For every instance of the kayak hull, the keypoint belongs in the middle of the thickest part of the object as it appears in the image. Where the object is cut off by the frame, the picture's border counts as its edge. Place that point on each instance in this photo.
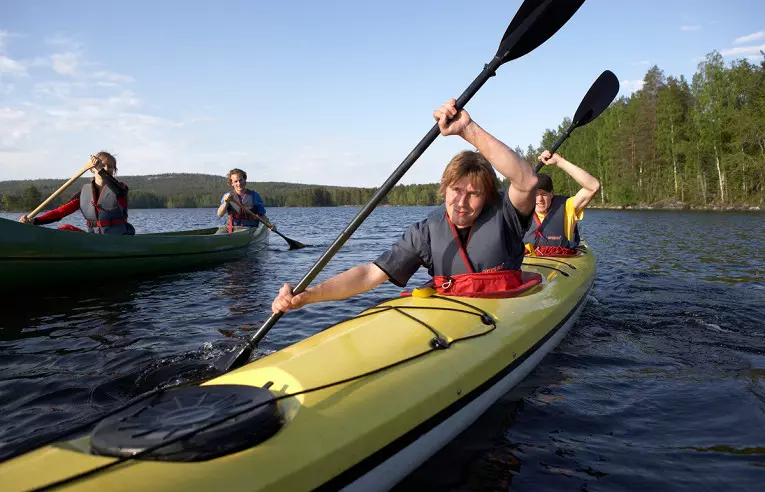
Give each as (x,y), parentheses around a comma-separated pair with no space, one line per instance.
(389,472)
(363,402)
(29,254)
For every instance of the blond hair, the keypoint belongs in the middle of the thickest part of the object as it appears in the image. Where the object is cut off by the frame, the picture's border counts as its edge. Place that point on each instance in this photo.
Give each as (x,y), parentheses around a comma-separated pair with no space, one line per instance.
(477,168)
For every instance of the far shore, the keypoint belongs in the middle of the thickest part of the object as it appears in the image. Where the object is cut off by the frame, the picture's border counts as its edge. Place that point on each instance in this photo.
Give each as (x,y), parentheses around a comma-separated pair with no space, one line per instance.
(680,208)
(664,207)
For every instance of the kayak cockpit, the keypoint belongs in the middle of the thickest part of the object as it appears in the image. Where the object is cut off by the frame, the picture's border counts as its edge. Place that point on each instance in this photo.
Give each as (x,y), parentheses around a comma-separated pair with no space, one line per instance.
(194,423)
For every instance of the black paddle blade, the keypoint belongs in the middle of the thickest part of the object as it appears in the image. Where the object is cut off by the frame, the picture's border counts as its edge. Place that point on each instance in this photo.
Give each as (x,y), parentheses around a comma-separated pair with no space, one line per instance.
(546,16)
(231,360)
(597,99)
(293,244)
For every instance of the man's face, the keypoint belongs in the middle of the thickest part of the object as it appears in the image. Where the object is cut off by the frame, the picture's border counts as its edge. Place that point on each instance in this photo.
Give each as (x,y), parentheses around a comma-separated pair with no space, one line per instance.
(544,200)
(464,202)
(239,183)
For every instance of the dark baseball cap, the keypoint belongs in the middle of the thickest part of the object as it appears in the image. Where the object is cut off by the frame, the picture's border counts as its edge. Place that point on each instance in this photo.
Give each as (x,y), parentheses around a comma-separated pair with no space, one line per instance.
(544,183)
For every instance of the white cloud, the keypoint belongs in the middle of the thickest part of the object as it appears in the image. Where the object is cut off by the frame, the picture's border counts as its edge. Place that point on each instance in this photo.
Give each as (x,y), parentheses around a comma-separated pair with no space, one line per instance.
(54,121)
(642,62)
(16,125)
(690,28)
(64,41)
(12,67)
(749,38)
(743,50)
(113,77)
(629,86)
(65,63)
(3,36)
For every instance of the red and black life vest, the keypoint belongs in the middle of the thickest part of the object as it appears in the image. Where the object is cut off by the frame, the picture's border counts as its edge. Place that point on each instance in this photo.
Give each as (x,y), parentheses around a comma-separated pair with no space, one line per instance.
(485,267)
(104,214)
(548,236)
(242,218)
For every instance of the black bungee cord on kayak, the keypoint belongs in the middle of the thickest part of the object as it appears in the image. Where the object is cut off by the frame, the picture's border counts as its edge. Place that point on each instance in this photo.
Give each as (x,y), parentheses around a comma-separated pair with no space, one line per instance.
(565,274)
(439,341)
(547,258)
(485,317)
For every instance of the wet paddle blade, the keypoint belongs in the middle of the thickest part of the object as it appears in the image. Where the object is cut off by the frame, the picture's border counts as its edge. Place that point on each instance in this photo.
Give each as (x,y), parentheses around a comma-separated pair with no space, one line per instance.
(547,17)
(236,358)
(293,244)
(597,99)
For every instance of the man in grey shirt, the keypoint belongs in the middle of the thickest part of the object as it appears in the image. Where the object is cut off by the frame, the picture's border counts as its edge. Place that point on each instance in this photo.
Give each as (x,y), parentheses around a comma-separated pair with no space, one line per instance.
(476,230)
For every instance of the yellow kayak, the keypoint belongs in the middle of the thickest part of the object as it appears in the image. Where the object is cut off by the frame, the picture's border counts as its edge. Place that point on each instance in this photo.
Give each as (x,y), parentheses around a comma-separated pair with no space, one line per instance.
(355,407)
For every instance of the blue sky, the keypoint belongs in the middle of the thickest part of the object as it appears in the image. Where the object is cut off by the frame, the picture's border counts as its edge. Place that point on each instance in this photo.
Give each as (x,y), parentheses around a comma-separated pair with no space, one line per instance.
(333,92)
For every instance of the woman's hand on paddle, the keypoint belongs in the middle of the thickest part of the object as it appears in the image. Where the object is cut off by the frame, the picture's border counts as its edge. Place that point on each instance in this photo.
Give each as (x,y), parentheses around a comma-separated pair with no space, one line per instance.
(550,159)
(227,197)
(450,121)
(285,301)
(26,220)
(95,164)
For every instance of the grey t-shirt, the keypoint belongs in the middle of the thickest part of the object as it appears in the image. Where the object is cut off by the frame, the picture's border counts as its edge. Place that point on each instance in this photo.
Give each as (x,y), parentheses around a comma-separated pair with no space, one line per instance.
(413,249)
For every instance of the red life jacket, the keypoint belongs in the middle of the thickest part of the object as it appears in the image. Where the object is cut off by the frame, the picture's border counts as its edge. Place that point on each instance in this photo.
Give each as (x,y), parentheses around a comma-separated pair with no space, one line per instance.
(492,283)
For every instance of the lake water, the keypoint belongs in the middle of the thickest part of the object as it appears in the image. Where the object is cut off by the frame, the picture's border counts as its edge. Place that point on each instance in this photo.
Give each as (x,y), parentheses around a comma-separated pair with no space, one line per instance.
(660,385)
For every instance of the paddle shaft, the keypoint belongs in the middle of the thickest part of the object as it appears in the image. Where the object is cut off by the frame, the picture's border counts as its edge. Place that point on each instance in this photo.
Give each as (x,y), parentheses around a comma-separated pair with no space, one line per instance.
(59,191)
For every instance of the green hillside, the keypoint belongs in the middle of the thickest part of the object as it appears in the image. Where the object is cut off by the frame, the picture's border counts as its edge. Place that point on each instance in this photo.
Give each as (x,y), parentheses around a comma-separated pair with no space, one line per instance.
(204,190)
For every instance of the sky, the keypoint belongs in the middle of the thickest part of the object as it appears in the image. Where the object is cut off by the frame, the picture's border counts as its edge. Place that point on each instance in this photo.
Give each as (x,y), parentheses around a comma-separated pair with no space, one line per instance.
(333,92)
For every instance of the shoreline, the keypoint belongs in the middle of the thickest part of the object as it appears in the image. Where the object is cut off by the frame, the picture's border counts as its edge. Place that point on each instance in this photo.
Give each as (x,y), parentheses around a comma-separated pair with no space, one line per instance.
(639,207)
(680,208)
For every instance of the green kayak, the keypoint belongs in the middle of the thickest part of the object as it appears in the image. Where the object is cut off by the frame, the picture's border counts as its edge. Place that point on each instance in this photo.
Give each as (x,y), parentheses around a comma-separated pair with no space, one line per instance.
(35,256)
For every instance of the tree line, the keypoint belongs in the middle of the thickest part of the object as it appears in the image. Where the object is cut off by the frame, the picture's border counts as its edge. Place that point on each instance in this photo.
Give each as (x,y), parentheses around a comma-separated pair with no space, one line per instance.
(693,143)
(674,142)
(162,192)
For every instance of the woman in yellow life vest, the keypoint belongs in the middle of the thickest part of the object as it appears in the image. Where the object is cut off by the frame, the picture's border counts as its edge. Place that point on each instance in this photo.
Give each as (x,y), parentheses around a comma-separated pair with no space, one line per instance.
(553,230)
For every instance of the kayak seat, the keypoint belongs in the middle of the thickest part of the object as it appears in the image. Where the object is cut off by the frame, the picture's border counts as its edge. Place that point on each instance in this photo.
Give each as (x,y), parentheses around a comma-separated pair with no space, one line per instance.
(528,281)
(165,417)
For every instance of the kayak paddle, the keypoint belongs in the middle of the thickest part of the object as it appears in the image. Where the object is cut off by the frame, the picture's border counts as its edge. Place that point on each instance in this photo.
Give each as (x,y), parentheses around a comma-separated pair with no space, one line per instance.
(598,98)
(293,244)
(535,22)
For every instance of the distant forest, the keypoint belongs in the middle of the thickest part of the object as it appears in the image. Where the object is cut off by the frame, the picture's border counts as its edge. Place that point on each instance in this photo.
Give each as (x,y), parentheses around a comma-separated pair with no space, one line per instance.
(204,190)
(697,143)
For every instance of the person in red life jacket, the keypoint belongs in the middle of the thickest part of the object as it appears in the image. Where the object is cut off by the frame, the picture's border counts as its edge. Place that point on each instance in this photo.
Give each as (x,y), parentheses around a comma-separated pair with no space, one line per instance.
(554,230)
(103,201)
(471,245)
(251,200)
